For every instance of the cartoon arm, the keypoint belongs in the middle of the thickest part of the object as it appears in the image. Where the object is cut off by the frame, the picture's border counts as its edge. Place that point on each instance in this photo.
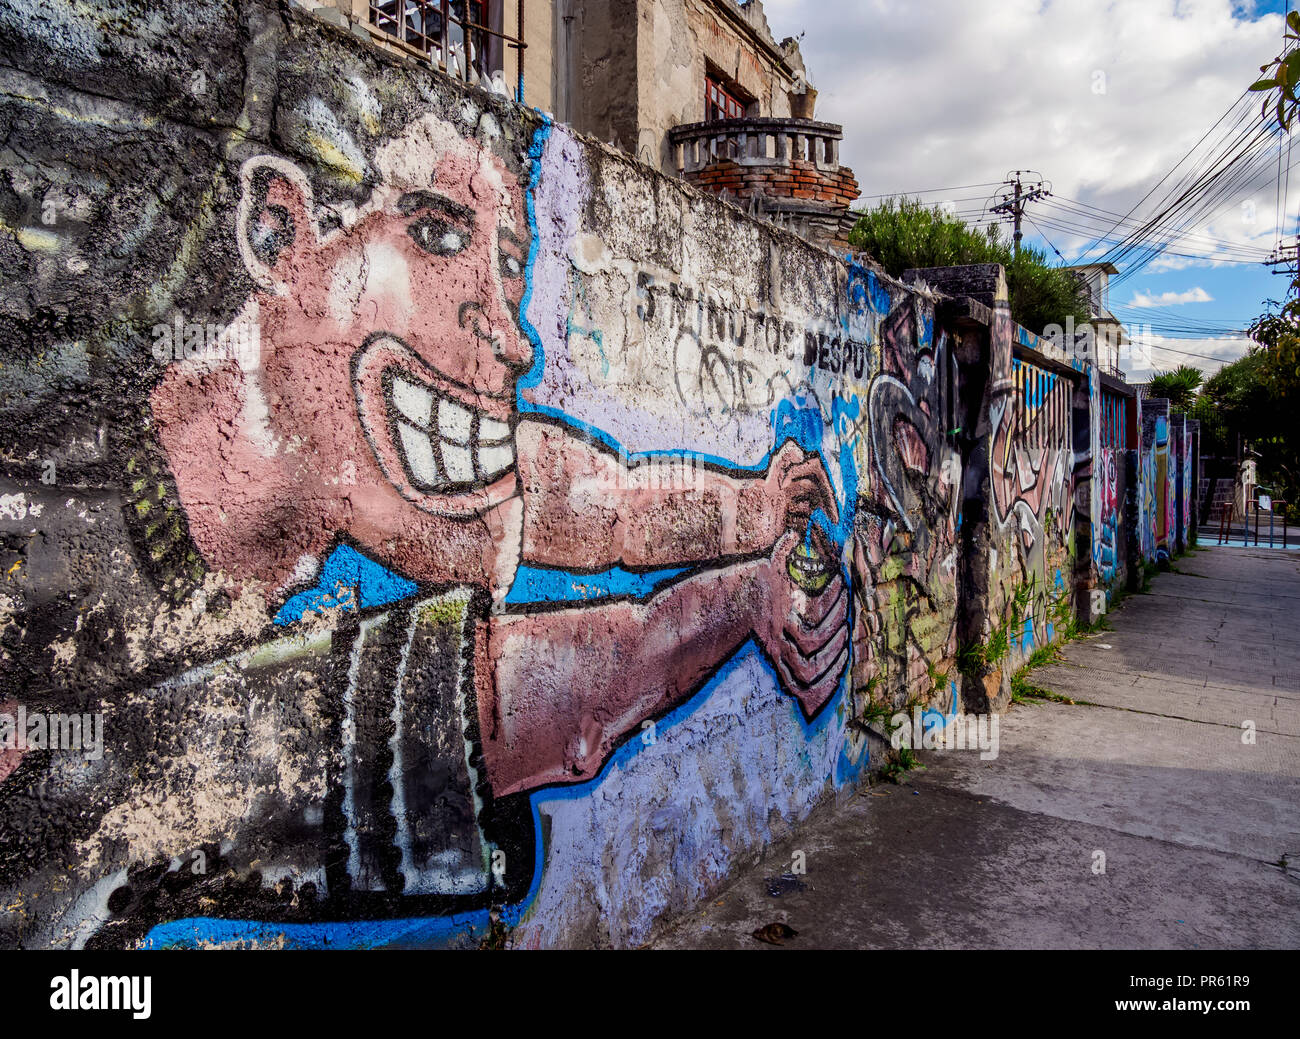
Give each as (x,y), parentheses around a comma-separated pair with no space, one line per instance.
(585,510)
(558,690)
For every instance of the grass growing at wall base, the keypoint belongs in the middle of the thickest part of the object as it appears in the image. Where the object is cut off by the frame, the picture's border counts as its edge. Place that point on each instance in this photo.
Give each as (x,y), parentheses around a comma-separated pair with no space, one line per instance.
(974,657)
(900,763)
(1023,691)
(877,718)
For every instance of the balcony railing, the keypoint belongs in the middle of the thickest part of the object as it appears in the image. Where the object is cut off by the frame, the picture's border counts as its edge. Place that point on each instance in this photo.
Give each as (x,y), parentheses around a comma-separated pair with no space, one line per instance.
(757,142)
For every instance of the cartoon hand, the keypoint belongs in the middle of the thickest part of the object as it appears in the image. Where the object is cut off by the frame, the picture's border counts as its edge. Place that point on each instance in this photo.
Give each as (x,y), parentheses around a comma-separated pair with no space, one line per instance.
(807,627)
(796,485)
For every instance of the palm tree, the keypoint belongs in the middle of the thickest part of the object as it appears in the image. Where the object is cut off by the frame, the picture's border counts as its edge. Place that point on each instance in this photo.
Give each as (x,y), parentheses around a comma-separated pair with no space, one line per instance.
(1178,386)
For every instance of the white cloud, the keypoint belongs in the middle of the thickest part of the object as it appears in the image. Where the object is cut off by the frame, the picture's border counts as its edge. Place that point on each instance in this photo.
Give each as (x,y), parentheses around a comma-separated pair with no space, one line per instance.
(1148,354)
(1170,299)
(1101,98)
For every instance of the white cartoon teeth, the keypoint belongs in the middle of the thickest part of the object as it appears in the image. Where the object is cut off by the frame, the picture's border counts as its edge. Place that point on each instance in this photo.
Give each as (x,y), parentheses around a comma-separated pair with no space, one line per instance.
(415,402)
(458,462)
(418,449)
(465,447)
(492,431)
(455,423)
(496,459)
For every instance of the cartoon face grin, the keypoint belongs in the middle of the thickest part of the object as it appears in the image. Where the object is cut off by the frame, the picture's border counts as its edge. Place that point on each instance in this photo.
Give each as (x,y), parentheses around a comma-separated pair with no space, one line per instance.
(446,449)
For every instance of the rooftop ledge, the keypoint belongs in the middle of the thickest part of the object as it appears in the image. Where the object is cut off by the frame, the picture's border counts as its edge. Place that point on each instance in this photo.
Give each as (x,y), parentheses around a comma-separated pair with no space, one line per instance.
(757,142)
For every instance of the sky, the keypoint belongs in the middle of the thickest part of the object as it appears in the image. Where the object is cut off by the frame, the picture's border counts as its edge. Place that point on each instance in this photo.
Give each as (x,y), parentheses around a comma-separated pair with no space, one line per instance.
(1101,99)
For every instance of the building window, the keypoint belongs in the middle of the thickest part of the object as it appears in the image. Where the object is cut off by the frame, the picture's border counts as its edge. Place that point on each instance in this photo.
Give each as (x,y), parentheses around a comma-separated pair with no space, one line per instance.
(454,32)
(719,103)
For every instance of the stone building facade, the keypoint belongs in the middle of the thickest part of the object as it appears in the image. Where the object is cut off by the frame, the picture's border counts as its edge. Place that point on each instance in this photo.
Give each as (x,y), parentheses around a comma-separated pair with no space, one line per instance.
(699,89)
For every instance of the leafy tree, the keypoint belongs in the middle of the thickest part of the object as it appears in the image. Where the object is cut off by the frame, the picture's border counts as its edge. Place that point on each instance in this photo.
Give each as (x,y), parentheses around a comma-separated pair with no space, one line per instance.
(1281,77)
(903,234)
(1255,402)
(1274,423)
(1234,401)
(1262,391)
(1279,334)
(1178,386)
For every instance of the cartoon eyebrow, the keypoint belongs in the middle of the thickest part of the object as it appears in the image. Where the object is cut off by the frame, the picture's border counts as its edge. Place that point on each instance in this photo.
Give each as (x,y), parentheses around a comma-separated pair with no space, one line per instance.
(509,236)
(414,201)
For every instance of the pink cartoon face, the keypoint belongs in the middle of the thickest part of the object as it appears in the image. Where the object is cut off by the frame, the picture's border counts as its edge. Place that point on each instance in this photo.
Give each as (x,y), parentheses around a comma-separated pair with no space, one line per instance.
(410,311)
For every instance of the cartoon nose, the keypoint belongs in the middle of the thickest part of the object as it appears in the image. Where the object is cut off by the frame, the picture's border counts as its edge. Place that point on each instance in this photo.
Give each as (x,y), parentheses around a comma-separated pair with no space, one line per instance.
(498,327)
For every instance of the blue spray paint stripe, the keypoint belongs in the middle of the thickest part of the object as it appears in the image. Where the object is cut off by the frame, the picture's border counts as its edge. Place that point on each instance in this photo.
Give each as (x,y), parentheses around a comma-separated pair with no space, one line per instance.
(349,581)
(544,584)
(200,931)
(535,151)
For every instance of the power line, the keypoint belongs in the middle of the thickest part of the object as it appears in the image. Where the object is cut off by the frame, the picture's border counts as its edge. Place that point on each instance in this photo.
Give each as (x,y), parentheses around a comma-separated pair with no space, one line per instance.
(933,191)
(1200,141)
(1013,205)
(1047,240)
(1077,210)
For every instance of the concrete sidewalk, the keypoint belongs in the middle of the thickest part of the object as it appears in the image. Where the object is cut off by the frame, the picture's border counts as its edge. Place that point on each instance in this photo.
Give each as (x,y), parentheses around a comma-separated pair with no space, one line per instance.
(1000,854)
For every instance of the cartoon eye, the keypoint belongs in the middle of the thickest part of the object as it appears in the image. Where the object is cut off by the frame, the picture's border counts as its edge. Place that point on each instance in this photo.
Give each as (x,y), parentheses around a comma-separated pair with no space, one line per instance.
(510,266)
(437,236)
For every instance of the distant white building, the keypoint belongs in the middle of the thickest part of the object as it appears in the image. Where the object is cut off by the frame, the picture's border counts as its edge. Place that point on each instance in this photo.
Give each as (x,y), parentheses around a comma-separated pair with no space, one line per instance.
(1111,337)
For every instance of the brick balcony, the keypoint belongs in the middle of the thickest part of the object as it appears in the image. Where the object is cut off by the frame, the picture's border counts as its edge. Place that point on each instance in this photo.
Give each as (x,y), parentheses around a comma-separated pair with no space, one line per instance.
(787,168)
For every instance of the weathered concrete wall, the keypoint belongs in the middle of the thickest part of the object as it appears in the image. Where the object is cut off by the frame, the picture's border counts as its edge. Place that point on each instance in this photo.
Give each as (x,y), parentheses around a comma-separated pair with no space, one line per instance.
(442,512)
(598,69)
(430,516)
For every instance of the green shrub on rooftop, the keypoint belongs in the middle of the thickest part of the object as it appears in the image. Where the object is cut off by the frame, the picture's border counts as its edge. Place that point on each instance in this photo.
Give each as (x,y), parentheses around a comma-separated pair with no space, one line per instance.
(902,234)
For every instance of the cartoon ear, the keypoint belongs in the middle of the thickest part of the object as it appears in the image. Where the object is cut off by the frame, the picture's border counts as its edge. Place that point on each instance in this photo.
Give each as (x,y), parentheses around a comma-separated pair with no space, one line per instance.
(275,220)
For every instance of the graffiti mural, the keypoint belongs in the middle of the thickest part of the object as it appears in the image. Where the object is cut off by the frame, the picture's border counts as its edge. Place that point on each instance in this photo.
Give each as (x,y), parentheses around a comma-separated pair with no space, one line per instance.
(1167,457)
(1113,506)
(385,414)
(1108,540)
(1032,472)
(908,522)
(493,514)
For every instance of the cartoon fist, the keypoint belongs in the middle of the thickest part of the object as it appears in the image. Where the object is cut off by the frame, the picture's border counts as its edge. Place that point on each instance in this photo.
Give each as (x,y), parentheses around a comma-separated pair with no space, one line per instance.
(795,486)
(806,628)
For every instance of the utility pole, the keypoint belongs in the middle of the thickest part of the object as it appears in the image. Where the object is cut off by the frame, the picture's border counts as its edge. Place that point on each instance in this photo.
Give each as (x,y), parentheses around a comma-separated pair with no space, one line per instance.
(1013,204)
(1285,259)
